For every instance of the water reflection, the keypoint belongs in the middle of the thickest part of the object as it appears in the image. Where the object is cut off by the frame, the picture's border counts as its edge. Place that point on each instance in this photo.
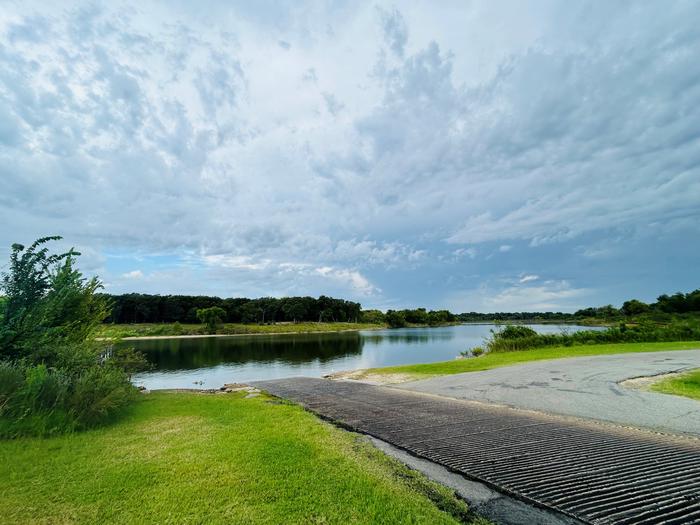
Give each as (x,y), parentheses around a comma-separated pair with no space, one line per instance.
(213,361)
(177,354)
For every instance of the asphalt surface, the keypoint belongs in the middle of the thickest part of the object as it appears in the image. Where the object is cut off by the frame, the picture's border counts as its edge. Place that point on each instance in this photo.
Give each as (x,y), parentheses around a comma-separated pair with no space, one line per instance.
(593,472)
(586,387)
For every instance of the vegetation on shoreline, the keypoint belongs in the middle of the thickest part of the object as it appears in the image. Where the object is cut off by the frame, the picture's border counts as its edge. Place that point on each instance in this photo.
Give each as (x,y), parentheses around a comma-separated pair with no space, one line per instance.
(496,360)
(514,338)
(54,375)
(687,385)
(117,331)
(201,458)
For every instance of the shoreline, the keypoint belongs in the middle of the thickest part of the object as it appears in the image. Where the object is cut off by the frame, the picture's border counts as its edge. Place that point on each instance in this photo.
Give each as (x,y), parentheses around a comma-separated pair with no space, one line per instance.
(253,334)
(345,330)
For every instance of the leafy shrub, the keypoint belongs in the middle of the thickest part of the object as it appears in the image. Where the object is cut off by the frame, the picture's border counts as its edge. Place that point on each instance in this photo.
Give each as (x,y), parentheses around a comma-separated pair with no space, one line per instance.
(97,394)
(514,332)
(513,338)
(54,375)
(477,351)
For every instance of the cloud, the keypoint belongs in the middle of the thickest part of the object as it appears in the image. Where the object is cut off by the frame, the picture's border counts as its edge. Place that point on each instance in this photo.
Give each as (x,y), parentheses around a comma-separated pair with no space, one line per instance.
(134,274)
(355,279)
(528,278)
(385,145)
(395,30)
(548,296)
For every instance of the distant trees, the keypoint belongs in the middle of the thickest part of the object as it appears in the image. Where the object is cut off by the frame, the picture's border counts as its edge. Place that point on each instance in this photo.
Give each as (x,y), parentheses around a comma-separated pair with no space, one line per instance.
(634,307)
(679,303)
(372,316)
(599,312)
(144,308)
(395,319)
(479,317)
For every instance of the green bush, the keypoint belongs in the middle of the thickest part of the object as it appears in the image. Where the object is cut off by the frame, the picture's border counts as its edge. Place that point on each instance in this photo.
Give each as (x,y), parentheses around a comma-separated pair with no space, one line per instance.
(54,375)
(514,338)
(477,351)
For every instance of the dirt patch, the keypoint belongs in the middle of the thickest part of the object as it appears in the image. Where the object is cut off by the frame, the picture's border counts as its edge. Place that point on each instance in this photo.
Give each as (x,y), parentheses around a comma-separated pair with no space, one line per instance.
(363,376)
(646,382)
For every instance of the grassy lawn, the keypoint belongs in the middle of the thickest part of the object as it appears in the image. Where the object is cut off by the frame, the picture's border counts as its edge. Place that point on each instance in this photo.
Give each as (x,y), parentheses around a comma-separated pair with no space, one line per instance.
(687,385)
(197,458)
(495,360)
(164,329)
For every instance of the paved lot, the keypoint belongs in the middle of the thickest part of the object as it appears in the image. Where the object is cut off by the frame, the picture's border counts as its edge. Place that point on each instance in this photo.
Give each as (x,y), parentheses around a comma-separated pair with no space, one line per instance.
(583,387)
(597,473)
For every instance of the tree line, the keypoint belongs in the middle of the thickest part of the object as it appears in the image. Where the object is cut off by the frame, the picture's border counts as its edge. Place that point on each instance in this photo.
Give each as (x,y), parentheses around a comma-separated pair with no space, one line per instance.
(145,308)
(678,303)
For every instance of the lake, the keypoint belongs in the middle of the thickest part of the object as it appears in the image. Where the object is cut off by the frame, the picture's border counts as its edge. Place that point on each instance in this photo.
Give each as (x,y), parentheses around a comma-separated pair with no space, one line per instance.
(214,361)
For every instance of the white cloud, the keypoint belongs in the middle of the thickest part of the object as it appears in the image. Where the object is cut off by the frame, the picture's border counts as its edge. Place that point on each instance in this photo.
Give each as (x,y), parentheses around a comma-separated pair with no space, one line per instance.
(358,282)
(359,137)
(548,296)
(134,274)
(528,278)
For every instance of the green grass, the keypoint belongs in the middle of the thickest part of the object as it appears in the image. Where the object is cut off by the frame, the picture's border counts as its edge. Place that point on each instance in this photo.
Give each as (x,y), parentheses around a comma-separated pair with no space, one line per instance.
(687,385)
(166,329)
(495,360)
(202,458)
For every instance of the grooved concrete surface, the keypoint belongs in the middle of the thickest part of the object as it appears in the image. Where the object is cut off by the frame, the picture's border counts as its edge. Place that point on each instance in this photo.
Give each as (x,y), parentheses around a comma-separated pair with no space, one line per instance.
(597,473)
(585,387)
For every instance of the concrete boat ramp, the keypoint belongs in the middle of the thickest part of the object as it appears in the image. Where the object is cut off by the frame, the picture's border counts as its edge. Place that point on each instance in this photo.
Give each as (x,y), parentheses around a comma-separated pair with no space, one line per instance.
(578,470)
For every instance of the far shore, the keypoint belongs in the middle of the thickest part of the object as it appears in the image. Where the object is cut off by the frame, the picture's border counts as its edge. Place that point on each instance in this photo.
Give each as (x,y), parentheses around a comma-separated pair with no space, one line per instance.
(249,334)
(253,334)
(326,330)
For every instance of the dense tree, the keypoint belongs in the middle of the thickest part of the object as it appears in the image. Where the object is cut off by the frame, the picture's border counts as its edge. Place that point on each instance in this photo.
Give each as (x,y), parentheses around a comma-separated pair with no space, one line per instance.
(372,316)
(679,303)
(211,317)
(395,319)
(143,308)
(634,307)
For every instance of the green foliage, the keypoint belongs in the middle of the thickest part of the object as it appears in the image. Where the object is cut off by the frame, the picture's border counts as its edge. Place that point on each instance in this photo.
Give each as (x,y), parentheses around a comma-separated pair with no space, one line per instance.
(395,319)
(145,308)
(477,351)
(372,316)
(58,377)
(600,312)
(634,307)
(513,338)
(679,302)
(514,332)
(130,361)
(211,317)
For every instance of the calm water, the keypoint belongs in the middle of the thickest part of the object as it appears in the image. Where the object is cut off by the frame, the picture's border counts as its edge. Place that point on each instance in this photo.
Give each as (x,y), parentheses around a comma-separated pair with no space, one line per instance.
(183,363)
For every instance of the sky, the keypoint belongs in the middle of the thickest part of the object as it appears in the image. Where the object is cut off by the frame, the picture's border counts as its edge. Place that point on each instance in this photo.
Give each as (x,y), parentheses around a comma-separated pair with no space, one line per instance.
(470,155)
